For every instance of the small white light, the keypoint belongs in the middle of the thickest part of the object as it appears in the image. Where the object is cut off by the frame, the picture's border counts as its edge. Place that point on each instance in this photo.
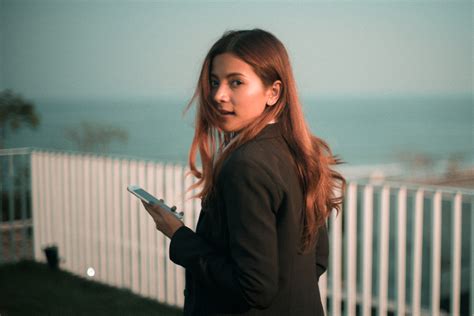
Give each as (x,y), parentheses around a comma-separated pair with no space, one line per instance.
(90,272)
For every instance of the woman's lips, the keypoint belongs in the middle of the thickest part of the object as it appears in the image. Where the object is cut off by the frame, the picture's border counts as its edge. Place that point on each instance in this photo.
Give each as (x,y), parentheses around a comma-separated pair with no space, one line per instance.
(223,112)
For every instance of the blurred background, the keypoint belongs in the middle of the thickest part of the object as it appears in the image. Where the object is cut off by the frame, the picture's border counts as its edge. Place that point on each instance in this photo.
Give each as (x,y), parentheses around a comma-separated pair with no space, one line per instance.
(381,81)
(388,84)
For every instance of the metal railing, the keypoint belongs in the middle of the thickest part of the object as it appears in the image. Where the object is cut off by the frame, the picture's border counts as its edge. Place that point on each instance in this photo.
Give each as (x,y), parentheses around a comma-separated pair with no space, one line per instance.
(396,247)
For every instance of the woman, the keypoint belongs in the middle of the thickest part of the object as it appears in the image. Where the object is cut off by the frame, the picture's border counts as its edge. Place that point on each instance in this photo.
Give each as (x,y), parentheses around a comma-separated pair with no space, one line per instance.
(261,241)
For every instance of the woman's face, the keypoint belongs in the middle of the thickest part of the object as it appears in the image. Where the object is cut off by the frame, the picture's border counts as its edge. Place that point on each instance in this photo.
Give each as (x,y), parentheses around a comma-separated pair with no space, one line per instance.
(238,92)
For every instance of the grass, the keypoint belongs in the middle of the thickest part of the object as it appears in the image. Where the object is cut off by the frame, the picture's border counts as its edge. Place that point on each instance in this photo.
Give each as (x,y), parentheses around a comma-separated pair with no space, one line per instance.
(31,288)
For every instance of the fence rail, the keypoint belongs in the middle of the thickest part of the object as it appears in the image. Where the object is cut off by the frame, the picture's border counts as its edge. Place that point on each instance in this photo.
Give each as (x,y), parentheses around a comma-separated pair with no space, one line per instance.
(396,247)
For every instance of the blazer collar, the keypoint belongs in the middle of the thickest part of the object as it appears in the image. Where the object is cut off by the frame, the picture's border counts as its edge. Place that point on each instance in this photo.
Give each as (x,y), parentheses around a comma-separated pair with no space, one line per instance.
(270,131)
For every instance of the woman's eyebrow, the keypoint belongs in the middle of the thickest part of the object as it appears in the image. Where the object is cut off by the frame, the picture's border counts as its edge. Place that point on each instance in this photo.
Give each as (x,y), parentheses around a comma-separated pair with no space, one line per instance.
(229,75)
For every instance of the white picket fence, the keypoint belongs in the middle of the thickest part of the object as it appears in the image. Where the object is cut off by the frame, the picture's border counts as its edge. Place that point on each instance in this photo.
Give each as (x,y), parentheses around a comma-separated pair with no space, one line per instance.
(395,248)
(80,203)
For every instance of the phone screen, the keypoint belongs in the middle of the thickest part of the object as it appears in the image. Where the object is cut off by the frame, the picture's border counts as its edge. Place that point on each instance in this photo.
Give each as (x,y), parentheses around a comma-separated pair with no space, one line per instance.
(147,196)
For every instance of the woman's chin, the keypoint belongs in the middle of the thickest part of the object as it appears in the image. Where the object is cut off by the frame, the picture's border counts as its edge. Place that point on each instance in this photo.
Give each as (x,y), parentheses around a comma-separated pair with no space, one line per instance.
(228,128)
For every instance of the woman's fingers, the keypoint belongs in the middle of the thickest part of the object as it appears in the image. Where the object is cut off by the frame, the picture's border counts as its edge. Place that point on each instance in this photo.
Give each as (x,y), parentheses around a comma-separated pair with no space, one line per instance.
(165,222)
(153,210)
(157,212)
(156,208)
(145,205)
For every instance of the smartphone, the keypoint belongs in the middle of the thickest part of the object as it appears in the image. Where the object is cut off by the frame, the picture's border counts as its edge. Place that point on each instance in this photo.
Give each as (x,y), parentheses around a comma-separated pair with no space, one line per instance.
(150,199)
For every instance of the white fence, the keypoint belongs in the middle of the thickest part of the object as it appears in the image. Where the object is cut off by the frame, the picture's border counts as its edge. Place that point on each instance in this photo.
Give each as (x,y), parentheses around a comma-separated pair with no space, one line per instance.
(80,203)
(395,248)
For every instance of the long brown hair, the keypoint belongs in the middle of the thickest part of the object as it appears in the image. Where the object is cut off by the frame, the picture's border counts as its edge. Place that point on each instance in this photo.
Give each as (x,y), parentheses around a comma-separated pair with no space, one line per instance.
(312,155)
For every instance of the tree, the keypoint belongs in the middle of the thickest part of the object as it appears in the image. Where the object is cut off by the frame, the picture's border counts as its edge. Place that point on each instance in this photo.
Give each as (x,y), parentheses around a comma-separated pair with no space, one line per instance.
(417,164)
(454,164)
(14,113)
(95,137)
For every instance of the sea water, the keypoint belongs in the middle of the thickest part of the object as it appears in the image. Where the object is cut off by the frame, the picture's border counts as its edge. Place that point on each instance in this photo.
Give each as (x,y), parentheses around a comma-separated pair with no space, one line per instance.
(360,130)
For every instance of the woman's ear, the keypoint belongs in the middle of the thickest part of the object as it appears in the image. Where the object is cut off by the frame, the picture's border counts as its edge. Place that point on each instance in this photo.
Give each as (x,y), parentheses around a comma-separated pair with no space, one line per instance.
(274,93)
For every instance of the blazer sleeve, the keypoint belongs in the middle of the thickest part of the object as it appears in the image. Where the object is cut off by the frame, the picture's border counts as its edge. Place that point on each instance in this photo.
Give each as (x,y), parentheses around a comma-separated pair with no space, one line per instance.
(322,250)
(250,273)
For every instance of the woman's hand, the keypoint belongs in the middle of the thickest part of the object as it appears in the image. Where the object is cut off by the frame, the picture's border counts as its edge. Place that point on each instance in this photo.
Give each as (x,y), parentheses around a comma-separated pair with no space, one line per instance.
(165,222)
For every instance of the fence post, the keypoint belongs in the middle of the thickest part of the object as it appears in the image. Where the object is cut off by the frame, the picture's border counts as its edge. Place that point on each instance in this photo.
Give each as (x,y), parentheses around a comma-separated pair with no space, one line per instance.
(367,251)
(417,253)
(384,248)
(436,254)
(351,251)
(401,250)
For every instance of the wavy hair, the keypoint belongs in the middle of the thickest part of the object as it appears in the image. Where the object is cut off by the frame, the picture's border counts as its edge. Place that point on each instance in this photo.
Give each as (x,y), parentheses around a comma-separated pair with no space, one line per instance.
(323,187)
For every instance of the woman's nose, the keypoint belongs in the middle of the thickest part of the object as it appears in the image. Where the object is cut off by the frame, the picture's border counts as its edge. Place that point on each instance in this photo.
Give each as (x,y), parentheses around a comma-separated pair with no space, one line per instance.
(221,94)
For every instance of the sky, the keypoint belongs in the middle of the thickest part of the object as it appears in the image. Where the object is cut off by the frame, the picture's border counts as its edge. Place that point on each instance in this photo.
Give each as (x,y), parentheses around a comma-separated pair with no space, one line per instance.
(134,49)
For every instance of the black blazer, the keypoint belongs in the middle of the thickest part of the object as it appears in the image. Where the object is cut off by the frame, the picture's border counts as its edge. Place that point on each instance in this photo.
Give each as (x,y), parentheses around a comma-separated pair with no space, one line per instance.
(243,258)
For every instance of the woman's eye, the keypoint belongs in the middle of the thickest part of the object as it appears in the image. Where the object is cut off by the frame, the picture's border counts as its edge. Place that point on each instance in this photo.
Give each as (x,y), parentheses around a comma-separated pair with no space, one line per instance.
(236,82)
(214,83)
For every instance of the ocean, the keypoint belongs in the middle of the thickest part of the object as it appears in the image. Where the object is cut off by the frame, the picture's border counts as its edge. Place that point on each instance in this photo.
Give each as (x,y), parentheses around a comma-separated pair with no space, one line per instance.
(360,130)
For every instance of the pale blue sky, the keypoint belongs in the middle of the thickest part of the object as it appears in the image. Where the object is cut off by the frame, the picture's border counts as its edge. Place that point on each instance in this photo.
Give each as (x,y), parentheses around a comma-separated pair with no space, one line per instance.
(120,49)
